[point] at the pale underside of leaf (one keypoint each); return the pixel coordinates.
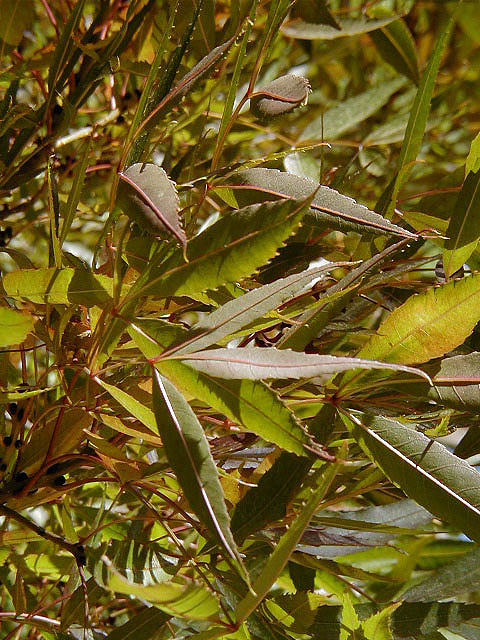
(348, 27)
(328, 207)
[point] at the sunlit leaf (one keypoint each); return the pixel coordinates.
(148, 196)
(463, 231)
(17, 17)
(14, 326)
(424, 469)
(328, 208)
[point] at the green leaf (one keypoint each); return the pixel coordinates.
(189, 599)
(75, 193)
(472, 163)
(267, 502)
(230, 249)
(255, 363)
(397, 47)
(285, 547)
(239, 312)
(14, 326)
(428, 324)
(280, 96)
(456, 383)
(142, 626)
(59, 286)
(17, 16)
(74, 609)
(131, 404)
(417, 123)
(348, 27)
(423, 468)
(346, 115)
(64, 47)
(148, 196)
(463, 231)
(189, 455)
(450, 581)
(328, 208)
(377, 626)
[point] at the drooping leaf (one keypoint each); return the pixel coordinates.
(14, 326)
(424, 469)
(396, 45)
(280, 96)
(267, 501)
(189, 455)
(348, 27)
(148, 196)
(175, 598)
(230, 249)
(59, 286)
(417, 122)
(463, 231)
(131, 404)
(255, 363)
(346, 115)
(239, 312)
(328, 208)
(428, 324)
(283, 550)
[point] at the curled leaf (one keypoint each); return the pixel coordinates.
(148, 196)
(280, 96)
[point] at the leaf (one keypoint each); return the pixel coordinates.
(397, 47)
(14, 326)
(189, 599)
(255, 363)
(450, 581)
(74, 609)
(472, 163)
(463, 231)
(252, 404)
(285, 547)
(189, 455)
(148, 196)
(393, 130)
(424, 469)
(456, 384)
(239, 312)
(131, 404)
(280, 96)
(64, 47)
(428, 324)
(17, 17)
(348, 27)
(377, 626)
(345, 116)
(267, 502)
(328, 208)
(59, 286)
(228, 250)
(417, 122)
(142, 626)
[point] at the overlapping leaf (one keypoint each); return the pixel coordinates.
(328, 208)
(424, 469)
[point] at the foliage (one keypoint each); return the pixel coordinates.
(240, 296)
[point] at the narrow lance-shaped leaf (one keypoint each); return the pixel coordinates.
(131, 404)
(457, 382)
(249, 403)
(423, 468)
(255, 363)
(427, 325)
(345, 116)
(328, 208)
(190, 458)
(416, 125)
(347, 27)
(463, 231)
(235, 314)
(230, 249)
(148, 196)
(396, 45)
